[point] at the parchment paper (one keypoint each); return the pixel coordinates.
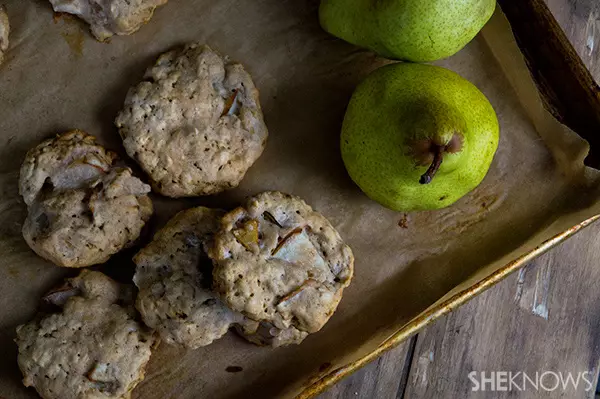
(56, 77)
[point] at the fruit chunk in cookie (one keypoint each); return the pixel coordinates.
(281, 263)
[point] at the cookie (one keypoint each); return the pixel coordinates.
(279, 262)
(81, 208)
(110, 17)
(92, 348)
(194, 124)
(266, 334)
(174, 277)
(4, 32)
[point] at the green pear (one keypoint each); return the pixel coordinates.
(418, 137)
(410, 30)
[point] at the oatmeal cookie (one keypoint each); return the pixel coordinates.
(110, 17)
(281, 263)
(174, 277)
(81, 208)
(194, 124)
(92, 348)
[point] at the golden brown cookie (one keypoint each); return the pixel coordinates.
(281, 263)
(81, 208)
(174, 276)
(194, 124)
(110, 17)
(92, 348)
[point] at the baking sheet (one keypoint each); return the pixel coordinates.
(56, 77)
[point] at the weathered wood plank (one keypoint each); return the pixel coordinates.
(580, 19)
(545, 318)
(384, 378)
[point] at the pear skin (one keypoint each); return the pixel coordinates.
(409, 30)
(418, 137)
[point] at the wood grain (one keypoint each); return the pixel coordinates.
(547, 317)
(385, 377)
(580, 19)
(567, 86)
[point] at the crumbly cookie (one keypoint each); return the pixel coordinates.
(194, 124)
(93, 348)
(81, 208)
(279, 262)
(69, 160)
(174, 276)
(110, 17)
(4, 32)
(266, 334)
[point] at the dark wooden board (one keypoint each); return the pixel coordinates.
(386, 377)
(545, 318)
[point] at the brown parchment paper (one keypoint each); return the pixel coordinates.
(56, 77)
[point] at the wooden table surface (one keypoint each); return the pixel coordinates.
(545, 318)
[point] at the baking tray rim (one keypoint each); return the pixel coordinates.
(437, 311)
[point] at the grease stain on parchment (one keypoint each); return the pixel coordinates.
(71, 31)
(13, 271)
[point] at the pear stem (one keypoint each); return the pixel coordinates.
(438, 157)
